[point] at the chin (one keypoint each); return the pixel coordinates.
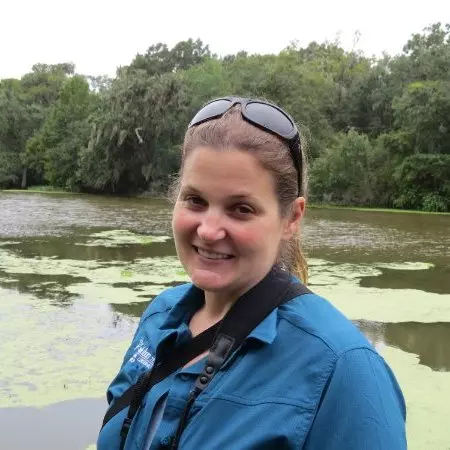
(209, 281)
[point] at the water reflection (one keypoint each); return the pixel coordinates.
(332, 234)
(47, 287)
(72, 247)
(435, 279)
(71, 425)
(430, 341)
(134, 309)
(29, 214)
(344, 235)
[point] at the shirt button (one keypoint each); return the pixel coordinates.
(184, 376)
(166, 442)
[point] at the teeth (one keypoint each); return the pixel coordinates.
(212, 255)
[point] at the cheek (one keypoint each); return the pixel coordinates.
(252, 237)
(183, 222)
(261, 235)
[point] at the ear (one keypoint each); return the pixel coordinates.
(292, 222)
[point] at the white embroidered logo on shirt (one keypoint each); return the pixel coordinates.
(142, 355)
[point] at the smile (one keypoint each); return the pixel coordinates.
(212, 255)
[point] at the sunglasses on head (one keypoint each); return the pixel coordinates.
(263, 115)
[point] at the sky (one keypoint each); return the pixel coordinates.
(98, 35)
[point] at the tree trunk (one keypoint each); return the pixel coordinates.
(24, 178)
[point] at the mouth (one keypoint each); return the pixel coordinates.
(212, 255)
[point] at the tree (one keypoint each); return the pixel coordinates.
(159, 59)
(16, 125)
(135, 134)
(369, 122)
(344, 173)
(423, 114)
(64, 132)
(44, 82)
(427, 55)
(423, 182)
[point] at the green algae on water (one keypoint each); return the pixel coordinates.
(427, 394)
(50, 354)
(93, 281)
(53, 354)
(117, 238)
(340, 284)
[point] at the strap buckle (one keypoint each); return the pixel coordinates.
(125, 427)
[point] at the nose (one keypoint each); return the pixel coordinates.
(211, 228)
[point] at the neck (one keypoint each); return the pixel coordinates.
(214, 310)
(217, 305)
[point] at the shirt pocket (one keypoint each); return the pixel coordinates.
(230, 422)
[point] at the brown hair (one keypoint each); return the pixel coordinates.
(231, 131)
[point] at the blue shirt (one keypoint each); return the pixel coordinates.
(305, 378)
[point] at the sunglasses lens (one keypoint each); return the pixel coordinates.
(270, 118)
(211, 110)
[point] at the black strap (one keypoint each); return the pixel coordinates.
(180, 357)
(277, 288)
(221, 339)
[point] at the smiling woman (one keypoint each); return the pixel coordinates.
(227, 225)
(245, 356)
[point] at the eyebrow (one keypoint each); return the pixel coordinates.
(239, 196)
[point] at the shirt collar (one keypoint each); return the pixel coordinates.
(184, 308)
(180, 315)
(266, 331)
(193, 299)
(176, 325)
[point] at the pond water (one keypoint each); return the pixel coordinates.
(77, 271)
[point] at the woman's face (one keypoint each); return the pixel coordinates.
(226, 221)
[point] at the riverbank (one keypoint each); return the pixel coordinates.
(40, 190)
(374, 209)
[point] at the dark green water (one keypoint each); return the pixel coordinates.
(76, 272)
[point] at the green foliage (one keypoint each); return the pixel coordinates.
(422, 112)
(378, 130)
(423, 182)
(345, 172)
(427, 55)
(15, 120)
(54, 151)
(134, 133)
(159, 59)
(44, 82)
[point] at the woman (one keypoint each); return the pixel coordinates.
(245, 357)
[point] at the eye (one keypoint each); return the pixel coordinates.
(243, 210)
(194, 201)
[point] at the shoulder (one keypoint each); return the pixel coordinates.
(361, 406)
(326, 326)
(165, 301)
(350, 366)
(330, 337)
